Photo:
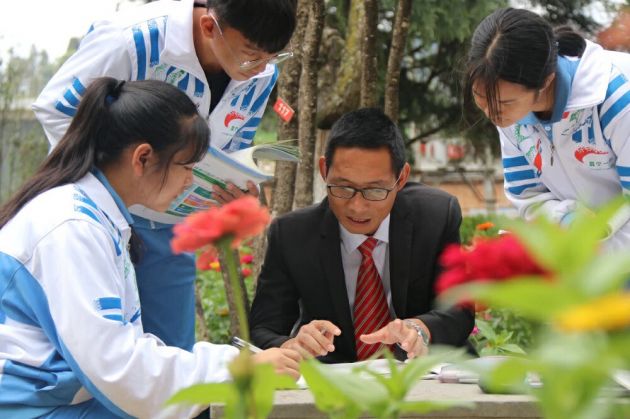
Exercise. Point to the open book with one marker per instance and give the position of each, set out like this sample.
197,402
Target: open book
218,168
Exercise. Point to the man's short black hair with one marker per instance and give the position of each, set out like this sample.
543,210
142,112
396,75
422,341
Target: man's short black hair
269,24
367,128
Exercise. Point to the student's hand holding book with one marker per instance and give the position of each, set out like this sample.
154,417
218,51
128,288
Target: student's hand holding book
232,192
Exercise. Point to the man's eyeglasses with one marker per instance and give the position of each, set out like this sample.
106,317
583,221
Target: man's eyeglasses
248,65
370,194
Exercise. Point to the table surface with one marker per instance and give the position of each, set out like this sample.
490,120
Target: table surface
300,404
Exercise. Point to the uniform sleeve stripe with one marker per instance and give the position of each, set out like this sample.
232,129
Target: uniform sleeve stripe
183,83
247,99
154,34
115,317
247,135
623,170
141,53
622,103
265,94
66,110
517,190
71,98
520,175
615,84
78,86
135,316
515,162
252,122
108,303
199,88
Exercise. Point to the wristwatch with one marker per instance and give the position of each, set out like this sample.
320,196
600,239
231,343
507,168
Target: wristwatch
421,332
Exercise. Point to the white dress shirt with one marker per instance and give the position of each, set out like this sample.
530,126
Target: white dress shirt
351,261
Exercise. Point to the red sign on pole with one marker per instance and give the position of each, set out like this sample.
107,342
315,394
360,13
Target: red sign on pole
283,110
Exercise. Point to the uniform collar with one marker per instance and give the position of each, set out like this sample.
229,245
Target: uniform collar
565,73
117,200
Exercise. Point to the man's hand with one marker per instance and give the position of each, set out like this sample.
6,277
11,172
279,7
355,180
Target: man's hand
284,361
232,192
314,339
405,336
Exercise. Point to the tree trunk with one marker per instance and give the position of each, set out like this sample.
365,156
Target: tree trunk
341,94
308,104
229,293
399,40
202,328
288,85
368,52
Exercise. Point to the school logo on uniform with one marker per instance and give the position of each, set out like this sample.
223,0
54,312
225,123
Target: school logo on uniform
231,117
538,161
593,158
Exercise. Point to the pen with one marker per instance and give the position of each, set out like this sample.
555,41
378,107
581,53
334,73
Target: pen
242,344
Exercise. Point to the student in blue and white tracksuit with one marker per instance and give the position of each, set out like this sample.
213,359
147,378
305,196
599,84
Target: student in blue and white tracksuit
72,342
562,108
223,56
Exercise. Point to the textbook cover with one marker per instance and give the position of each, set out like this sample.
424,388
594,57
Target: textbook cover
218,168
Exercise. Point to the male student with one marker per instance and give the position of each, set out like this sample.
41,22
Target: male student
357,271
223,56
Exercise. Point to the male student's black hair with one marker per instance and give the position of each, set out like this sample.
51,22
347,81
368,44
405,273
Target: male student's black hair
367,128
269,24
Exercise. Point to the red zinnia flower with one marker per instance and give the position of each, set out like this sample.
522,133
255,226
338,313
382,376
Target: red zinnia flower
239,220
246,272
493,259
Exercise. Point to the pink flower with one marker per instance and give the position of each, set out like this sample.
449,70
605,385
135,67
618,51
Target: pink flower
237,220
474,331
246,272
247,259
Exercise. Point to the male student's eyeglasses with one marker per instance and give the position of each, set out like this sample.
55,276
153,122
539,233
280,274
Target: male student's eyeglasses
370,194
248,65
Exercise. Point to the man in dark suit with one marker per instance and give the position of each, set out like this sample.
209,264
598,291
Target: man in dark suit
356,272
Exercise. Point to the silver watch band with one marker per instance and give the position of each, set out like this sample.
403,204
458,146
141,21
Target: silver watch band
423,335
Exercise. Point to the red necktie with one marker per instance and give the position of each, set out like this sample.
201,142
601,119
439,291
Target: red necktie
370,303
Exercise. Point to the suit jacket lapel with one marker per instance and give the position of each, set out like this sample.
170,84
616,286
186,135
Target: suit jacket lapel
330,256
400,240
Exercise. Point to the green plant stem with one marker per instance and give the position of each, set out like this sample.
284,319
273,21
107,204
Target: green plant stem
224,246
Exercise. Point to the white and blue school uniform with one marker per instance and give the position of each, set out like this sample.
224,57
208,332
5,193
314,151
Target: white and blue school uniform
154,41
582,154
71,335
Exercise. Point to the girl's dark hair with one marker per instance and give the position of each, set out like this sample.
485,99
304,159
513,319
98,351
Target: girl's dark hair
517,46
112,116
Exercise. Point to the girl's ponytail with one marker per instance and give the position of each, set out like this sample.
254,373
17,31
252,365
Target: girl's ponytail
77,151
569,42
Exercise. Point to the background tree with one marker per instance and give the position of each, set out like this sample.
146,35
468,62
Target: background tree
369,63
307,103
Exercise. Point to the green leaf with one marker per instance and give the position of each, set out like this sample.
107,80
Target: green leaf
486,330
512,348
608,272
327,398
205,394
532,297
264,385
